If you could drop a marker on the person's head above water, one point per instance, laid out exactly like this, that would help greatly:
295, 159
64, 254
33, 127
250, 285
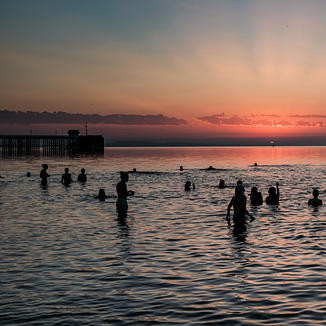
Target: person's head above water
272, 191
101, 193
254, 190
239, 190
315, 193
124, 176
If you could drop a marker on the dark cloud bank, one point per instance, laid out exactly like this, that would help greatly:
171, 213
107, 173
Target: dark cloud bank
220, 119
30, 117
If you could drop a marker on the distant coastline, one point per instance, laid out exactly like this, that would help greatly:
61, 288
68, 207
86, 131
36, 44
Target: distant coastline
225, 143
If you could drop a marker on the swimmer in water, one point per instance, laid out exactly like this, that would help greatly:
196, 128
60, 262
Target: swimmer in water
188, 186
315, 201
101, 195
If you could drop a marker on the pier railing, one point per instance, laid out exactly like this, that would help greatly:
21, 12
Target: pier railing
32, 144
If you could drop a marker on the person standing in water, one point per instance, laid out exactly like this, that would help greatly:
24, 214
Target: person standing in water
82, 176
256, 197
123, 193
66, 178
44, 175
238, 202
273, 195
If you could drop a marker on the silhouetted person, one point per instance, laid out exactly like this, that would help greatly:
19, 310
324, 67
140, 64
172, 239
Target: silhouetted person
255, 164
82, 176
239, 182
101, 194
273, 195
181, 167
221, 184
44, 175
315, 201
66, 178
255, 197
134, 170
188, 186
28, 174
123, 193
238, 202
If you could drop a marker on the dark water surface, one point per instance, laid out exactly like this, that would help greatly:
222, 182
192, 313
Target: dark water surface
67, 259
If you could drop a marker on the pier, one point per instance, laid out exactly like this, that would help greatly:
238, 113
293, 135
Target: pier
51, 145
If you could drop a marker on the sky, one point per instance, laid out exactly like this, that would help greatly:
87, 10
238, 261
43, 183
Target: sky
167, 71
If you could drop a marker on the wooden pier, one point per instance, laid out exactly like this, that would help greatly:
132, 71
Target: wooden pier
51, 145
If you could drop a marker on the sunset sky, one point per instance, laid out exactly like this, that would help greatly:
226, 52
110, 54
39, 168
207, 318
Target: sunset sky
205, 71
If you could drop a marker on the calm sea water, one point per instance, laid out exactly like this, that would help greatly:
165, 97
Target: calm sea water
67, 259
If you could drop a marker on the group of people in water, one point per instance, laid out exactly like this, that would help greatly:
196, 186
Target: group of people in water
239, 200
66, 179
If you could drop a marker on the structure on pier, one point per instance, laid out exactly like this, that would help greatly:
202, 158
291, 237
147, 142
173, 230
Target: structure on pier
51, 145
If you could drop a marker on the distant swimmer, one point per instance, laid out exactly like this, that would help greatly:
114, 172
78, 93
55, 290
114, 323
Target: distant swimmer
82, 176
222, 184
66, 178
273, 195
256, 197
181, 168
255, 164
44, 175
123, 193
134, 170
315, 201
101, 195
238, 202
28, 174
188, 186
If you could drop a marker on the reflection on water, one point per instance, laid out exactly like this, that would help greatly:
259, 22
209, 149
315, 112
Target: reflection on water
70, 259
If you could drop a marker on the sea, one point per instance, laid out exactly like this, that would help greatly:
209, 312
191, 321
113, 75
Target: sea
68, 258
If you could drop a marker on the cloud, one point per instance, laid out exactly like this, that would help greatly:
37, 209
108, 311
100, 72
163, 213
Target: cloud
265, 115
308, 116
30, 117
220, 120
